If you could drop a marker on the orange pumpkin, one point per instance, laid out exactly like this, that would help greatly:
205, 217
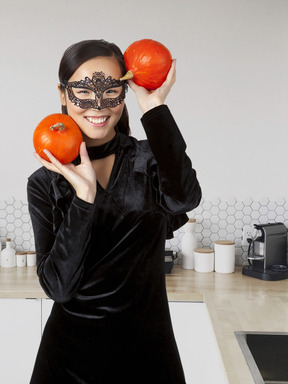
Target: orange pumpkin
60, 135
148, 63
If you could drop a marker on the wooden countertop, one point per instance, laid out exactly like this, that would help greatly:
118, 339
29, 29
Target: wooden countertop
235, 303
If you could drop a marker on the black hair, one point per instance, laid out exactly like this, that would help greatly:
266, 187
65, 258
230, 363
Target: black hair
79, 53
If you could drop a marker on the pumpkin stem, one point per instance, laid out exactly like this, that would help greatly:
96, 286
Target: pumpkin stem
57, 127
129, 75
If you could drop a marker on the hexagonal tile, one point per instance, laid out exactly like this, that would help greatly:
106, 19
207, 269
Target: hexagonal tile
222, 233
239, 206
247, 210
18, 204
271, 215
214, 219
223, 215
206, 232
214, 237
246, 219
206, 224
207, 205
9, 209
3, 214
231, 219
214, 210
239, 225
264, 201
239, 214
281, 201
222, 224
206, 242
206, 214
231, 210
223, 206
255, 215
231, 201
272, 206
10, 200
230, 228
263, 219
255, 205
247, 201
280, 210
263, 210
280, 219
215, 201
214, 228
25, 209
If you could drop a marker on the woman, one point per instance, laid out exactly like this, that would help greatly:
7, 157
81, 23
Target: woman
100, 226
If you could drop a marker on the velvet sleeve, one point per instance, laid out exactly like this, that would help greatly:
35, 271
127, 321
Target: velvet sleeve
60, 249
178, 187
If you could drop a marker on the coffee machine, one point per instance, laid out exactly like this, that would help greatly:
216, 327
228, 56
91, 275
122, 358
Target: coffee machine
267, 253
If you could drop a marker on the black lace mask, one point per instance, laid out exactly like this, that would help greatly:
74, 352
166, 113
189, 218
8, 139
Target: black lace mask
98, 92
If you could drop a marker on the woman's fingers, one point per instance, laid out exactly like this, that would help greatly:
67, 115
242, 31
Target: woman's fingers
46, 163
83, 153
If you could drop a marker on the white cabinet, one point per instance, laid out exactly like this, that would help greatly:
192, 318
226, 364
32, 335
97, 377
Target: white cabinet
22, 322
20, 334
46, 310
197, 344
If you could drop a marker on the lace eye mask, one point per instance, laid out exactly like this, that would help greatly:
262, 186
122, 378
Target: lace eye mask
97, 93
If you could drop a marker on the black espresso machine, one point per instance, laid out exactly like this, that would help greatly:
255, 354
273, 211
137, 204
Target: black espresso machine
267, 253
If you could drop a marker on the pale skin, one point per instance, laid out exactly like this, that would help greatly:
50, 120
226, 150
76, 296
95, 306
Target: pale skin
83, 177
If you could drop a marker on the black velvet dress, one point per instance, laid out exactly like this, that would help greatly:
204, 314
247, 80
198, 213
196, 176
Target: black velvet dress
103, 263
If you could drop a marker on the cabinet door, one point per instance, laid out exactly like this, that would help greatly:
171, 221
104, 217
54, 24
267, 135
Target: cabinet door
20, 333
197, 344
46, 310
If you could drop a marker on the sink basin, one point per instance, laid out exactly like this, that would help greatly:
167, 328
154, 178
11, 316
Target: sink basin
266, 354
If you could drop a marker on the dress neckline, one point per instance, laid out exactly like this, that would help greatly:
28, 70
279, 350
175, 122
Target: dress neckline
104, 150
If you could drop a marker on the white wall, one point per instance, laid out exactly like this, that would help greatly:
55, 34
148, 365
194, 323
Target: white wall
230, 99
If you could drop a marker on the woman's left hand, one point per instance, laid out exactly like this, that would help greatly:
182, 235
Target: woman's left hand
151, 99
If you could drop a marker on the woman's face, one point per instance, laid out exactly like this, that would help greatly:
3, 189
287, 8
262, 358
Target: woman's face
95, 98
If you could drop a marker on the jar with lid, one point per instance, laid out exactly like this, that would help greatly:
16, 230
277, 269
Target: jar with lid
224, 256
31, 258
204, 260
8, 255
21, 259
189, 243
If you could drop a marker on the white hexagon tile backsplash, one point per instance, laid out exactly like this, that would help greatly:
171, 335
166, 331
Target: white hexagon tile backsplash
215, 220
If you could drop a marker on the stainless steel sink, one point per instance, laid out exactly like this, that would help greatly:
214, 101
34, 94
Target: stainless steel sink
266, 354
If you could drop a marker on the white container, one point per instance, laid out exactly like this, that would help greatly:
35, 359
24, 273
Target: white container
204, 260
8, 255
21, 259
31, 259
189, 243
224, 256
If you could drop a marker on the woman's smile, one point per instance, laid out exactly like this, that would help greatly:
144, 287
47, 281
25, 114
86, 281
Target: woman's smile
99, 121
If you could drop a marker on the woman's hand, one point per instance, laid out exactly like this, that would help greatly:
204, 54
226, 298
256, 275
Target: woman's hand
82, 177
151, 99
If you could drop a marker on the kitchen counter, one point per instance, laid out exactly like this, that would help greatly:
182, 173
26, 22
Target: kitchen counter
235, 303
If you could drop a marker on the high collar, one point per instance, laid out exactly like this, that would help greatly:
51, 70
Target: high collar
103, 150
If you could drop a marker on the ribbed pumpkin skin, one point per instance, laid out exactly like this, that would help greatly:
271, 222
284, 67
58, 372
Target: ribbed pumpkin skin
149, 61
63, 143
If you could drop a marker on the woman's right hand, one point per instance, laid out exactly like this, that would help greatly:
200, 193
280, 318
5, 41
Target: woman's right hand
82, 177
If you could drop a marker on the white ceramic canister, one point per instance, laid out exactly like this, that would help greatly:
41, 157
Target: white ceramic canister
224, 256
188, 244
204, 260
31, 258
21, 259
8, 255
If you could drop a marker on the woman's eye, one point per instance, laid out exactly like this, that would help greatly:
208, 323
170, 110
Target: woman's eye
83, 93
112, 92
